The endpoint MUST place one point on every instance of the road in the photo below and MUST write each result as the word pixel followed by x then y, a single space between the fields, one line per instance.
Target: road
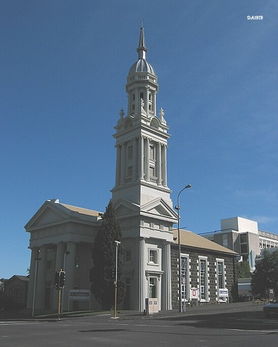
pixel 224 328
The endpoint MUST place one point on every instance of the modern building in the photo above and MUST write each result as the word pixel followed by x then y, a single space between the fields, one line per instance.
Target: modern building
pixel 62 235
pixel 243 236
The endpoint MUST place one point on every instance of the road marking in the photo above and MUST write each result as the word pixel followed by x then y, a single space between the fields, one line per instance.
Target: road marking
pixel 17 322
pixel 256 331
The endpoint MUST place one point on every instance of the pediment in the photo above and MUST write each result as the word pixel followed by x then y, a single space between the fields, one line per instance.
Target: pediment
pixel 159 207
pixel 46 215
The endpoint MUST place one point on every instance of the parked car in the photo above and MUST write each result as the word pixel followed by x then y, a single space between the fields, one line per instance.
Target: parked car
pixel 271 309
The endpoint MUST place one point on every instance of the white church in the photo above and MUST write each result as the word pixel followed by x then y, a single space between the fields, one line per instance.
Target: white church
pixel 62 235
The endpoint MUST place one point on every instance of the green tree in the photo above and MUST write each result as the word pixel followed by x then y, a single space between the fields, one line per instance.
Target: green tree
pixel 265 276
pixel 243 270
pixel 102 274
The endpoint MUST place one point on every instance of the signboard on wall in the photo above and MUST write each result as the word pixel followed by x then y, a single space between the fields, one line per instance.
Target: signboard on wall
pixel 194 293
pixel 80 294
pixel 151 305
pixel 223 293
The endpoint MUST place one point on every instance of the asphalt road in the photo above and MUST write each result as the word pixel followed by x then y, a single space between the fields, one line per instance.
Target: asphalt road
pixel 225 327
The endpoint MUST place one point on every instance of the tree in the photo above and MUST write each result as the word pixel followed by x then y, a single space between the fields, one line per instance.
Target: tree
pixel 265 276
pixel 243 270
pixel 102 274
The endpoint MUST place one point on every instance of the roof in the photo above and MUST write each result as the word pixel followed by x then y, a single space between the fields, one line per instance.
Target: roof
pixel 81 210
pixel 22 278
pixel 190 239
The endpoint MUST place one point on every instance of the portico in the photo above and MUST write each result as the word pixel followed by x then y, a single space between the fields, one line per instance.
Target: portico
pixel 61 238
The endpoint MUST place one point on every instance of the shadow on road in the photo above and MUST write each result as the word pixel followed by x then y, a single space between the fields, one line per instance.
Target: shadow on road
pixel 236 320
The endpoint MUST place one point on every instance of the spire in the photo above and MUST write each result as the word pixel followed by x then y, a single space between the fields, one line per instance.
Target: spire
pixel 142 46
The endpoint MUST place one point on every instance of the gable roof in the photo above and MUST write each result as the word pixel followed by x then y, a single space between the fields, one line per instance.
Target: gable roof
pixel 56 212
pixel 81 210
pixel 190 239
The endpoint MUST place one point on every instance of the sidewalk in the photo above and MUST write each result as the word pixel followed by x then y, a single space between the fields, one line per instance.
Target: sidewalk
pixel 128 314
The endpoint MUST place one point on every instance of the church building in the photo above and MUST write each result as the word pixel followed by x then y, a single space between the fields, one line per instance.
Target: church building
pixel 62 235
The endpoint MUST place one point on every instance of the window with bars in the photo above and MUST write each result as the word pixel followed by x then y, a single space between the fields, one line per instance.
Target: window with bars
pixel 220 274
pixel 184 278
pixel 203 279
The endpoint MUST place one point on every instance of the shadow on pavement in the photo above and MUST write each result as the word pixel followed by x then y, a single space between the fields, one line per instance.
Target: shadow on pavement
pixel 236 320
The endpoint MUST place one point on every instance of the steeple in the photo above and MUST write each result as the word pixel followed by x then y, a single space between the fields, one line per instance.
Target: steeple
pixel 141 136
pixel 142 46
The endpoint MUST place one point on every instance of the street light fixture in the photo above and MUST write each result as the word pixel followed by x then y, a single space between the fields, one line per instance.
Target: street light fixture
pixel 177 207
pixel 117 243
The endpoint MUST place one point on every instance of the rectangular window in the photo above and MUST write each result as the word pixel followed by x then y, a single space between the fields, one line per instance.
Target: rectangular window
pixel 153 256
pixel 243 249
pixel 152 287
pixel 225 240
pixel 184 278
pixel 203 279
pixel 220 274
pixel 152 151
pixel 152 171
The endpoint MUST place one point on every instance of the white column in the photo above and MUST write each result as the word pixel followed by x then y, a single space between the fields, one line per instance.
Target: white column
pixel 147 162
pixel 159 164
pixel 34 252
pixel 122 163
pixel 154 103
pixel 70 272
pixel 141 158
pixel 59 256
pixel 142 277
pixel 40 287
pixel 164 165
pixel 59 264
pixel 166 278
pixel 134 159
pixel 118 166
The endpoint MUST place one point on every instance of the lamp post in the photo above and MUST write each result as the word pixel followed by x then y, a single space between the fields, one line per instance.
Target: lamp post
pixel 116 279
pixel 179 245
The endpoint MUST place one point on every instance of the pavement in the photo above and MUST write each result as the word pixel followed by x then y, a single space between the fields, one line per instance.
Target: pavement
pixel 207 309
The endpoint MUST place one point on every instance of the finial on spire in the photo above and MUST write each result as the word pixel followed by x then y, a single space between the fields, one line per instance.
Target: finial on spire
pixel 142 45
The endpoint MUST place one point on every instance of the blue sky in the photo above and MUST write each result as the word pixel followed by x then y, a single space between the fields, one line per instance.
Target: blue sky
pixel 62 83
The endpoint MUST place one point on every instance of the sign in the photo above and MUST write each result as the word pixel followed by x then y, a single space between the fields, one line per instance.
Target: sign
pixel 151 305
pixel 194 293
pixel 223 293
pixel 80 294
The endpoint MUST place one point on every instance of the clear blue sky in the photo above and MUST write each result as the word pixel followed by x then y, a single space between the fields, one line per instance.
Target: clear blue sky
pixel 63 70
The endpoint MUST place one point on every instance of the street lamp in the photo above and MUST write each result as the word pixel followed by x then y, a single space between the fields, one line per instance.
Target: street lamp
pixel 117 243
pixel 179 244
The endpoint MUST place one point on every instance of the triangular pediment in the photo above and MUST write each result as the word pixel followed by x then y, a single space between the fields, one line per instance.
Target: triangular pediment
pixel 159 207
pixel 47 214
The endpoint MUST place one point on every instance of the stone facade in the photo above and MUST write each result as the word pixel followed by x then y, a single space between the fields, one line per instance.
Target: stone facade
pixel 194 255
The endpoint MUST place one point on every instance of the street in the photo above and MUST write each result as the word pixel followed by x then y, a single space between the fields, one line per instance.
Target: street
pixel 225 327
